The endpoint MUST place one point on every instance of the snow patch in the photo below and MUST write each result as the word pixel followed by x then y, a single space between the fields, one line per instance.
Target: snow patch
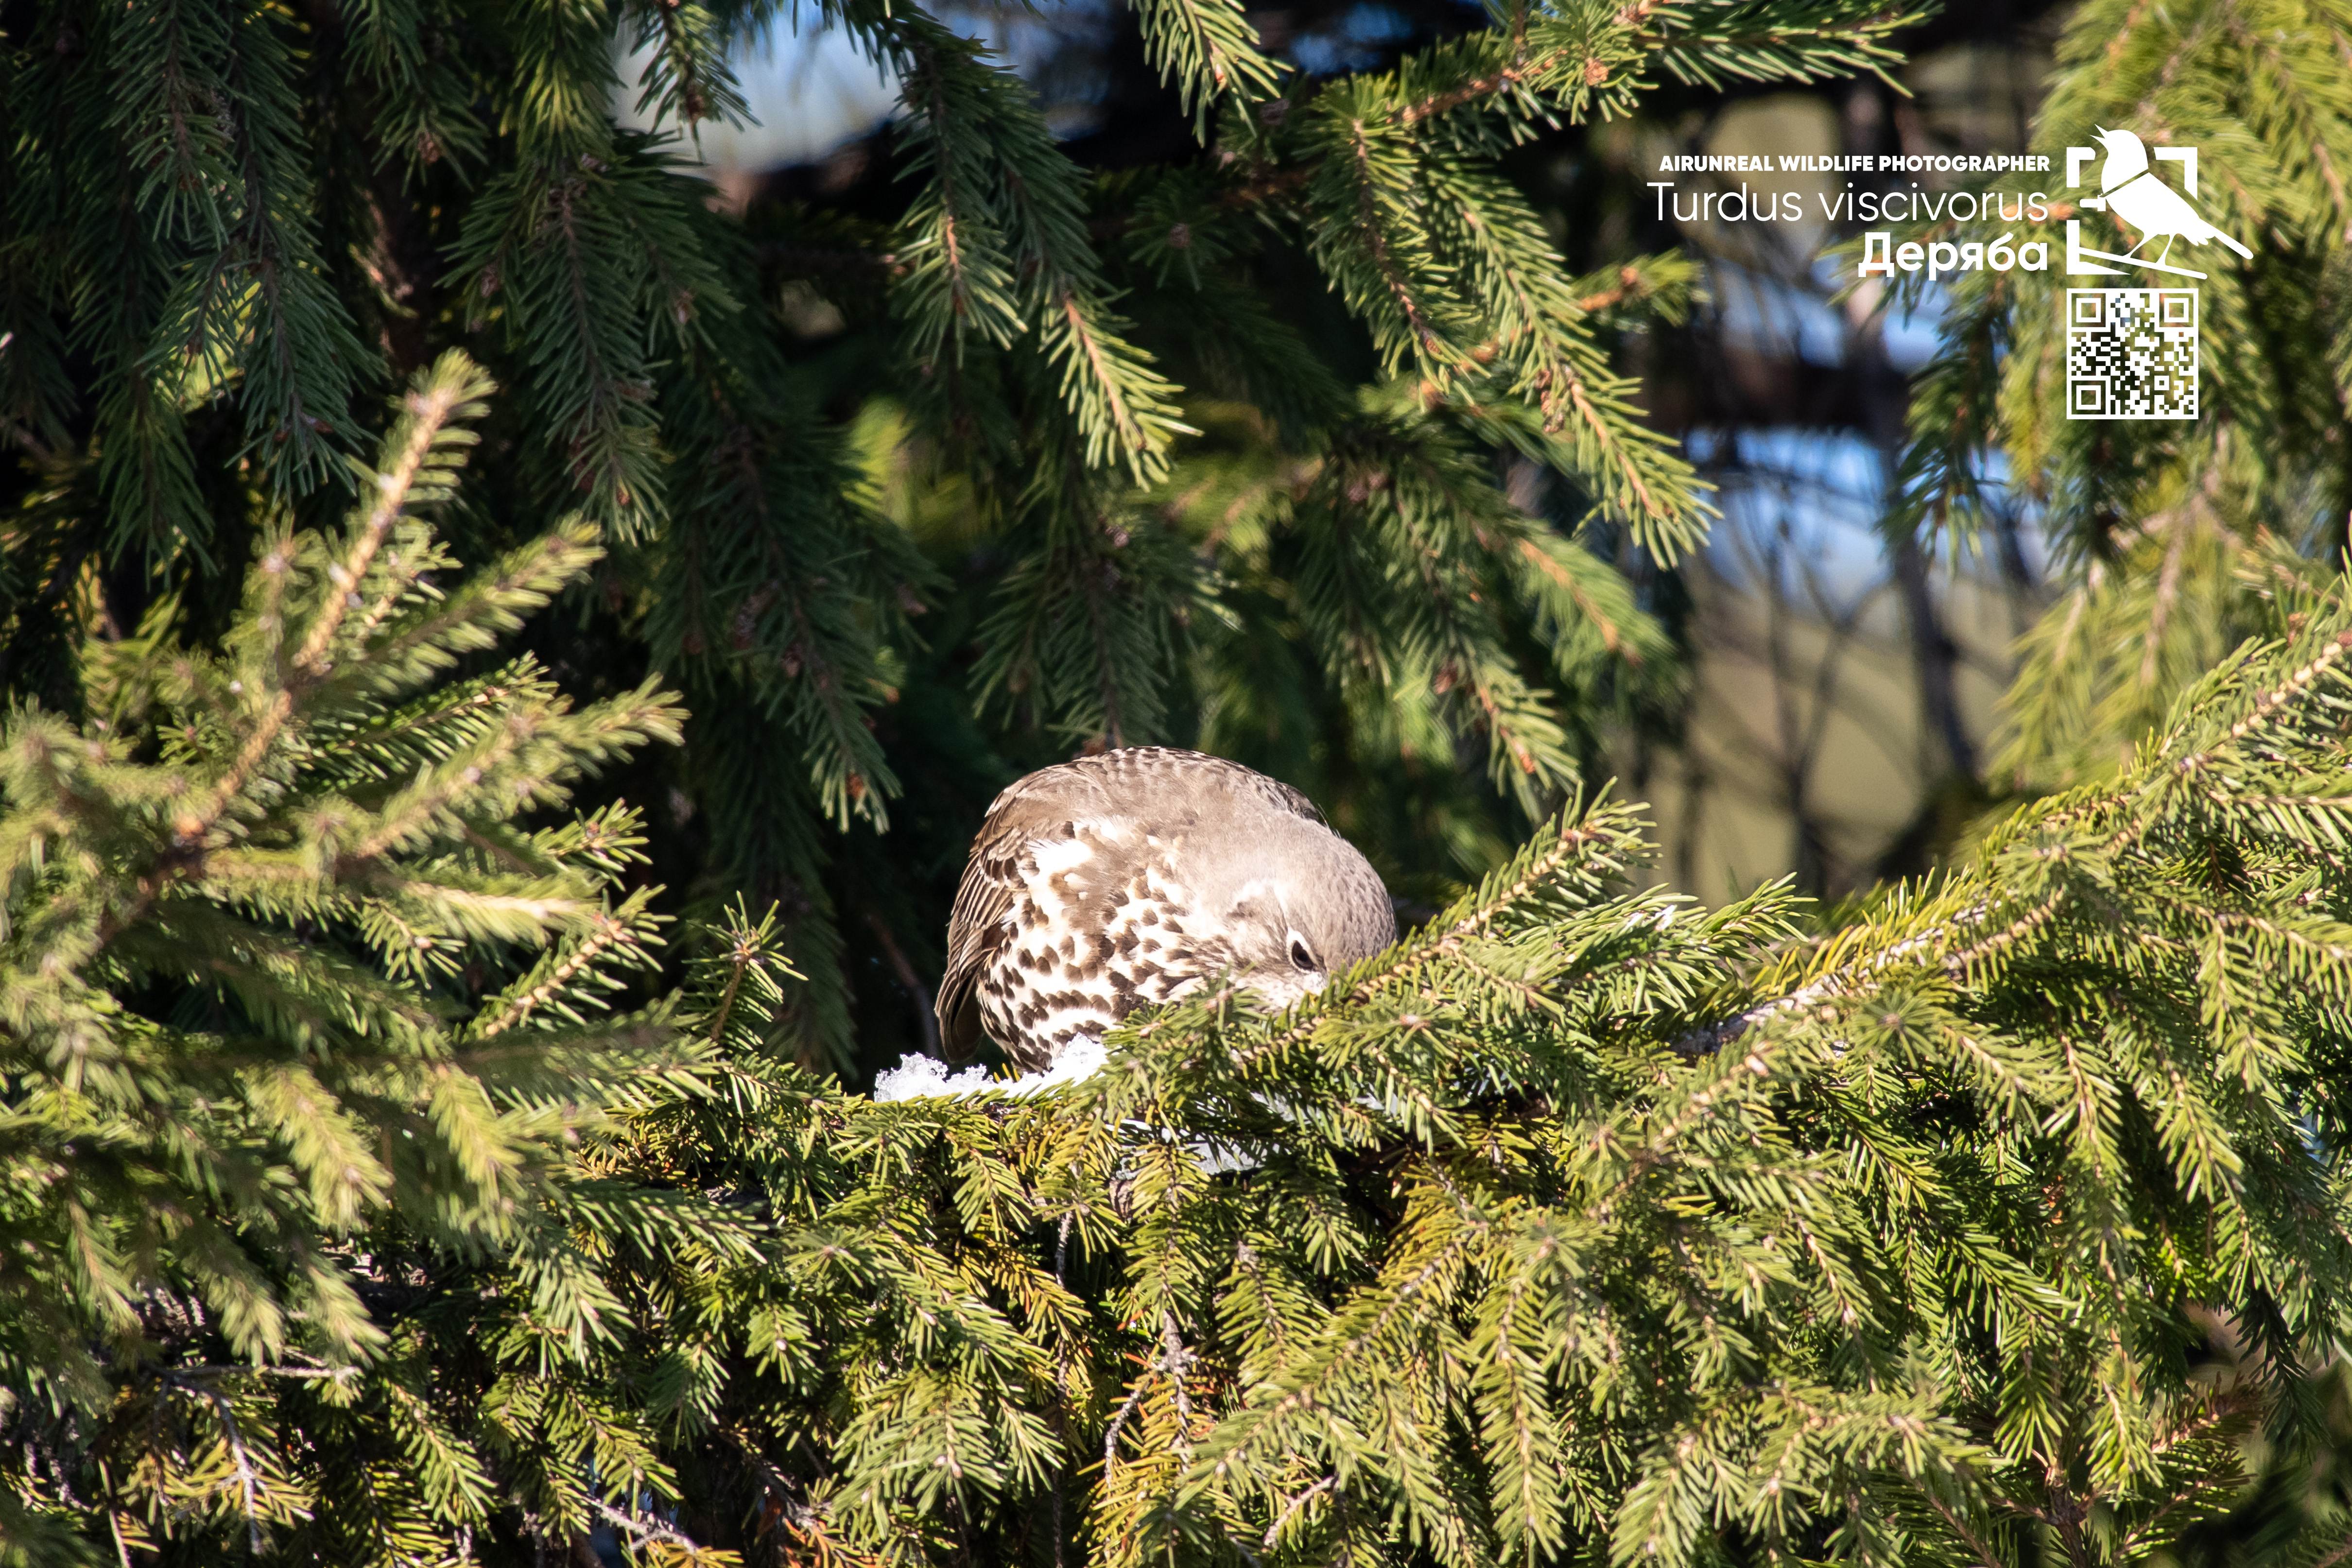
pixel 927 1078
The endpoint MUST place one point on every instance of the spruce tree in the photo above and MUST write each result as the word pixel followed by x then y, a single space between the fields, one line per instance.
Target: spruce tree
pixel 374 1195
pixel 2168 535
pixel 1582 1225
pixel 1020 502
pixel 294 992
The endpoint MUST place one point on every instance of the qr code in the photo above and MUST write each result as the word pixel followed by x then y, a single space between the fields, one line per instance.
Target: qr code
pixel 2131 353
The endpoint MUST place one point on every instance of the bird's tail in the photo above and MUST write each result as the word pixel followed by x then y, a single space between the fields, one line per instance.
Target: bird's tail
pixel 2233 245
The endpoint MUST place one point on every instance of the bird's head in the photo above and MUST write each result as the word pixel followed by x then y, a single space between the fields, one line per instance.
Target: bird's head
pixel 2120 143
pixel 1300 904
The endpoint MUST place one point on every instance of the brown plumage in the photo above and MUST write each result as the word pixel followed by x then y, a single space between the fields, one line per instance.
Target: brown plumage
pixel 1113 882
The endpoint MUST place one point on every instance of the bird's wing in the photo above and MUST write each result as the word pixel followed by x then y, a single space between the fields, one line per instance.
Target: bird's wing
pixel 981 923
pixel 1207 776
pixel 976 930
pixel 1284 797
pixel 1096 792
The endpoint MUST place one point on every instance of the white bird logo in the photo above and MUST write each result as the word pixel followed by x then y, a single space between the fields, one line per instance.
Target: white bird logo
pixel 2129 189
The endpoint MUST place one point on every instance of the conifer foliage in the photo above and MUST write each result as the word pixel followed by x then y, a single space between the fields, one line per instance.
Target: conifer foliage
pixel 286 986
pixel 370 1194
pixel 346 1226
pixel 230 228
pixel 2166 531
pixel 1585 1226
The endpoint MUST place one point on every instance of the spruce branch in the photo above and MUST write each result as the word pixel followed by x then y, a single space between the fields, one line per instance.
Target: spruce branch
pixel 233 1174
pixel 1585 1222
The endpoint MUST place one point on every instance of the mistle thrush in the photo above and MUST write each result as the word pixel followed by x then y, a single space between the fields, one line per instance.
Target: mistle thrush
pixel 1136 876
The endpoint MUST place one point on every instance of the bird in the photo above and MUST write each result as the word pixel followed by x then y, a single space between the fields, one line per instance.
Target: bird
pixel 2130 190
pixel 1139 875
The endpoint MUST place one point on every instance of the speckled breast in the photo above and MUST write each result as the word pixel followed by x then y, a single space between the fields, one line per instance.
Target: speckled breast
pixel 1100 928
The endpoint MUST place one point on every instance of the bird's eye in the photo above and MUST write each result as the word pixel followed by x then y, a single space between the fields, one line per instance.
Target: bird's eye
pixel 1299 955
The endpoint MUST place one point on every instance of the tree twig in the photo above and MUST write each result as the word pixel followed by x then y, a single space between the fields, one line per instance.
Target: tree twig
pixel 1301 1501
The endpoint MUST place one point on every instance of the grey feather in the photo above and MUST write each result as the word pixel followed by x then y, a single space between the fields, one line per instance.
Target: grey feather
pixel 1134 877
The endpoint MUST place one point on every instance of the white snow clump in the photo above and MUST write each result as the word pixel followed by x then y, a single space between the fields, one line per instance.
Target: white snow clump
pixel 927 1077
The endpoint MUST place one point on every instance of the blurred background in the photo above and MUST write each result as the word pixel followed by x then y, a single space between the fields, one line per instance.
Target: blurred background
pixel 1836 703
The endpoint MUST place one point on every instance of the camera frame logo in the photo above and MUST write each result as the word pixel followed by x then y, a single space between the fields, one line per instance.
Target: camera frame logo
pixel 2132 354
